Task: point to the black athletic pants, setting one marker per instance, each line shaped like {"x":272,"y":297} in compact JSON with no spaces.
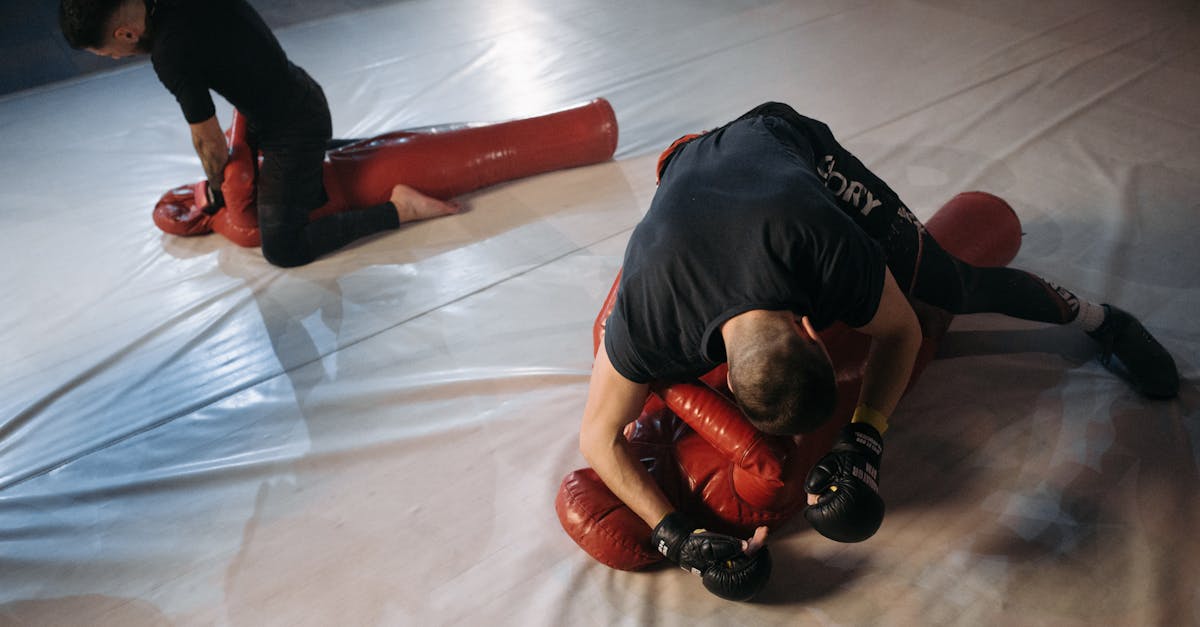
{"x":291,"y":184}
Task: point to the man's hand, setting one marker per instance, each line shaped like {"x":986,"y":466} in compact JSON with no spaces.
{"x":214,"y":199}
{"x":730,"y":567}
{"x":209,"y":141}
{"x":844,"y":501}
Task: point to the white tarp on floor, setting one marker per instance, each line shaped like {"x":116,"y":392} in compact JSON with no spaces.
{"x":191,"y":436}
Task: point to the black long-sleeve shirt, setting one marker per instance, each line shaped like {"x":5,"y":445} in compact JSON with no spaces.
{"x":224,"y":46}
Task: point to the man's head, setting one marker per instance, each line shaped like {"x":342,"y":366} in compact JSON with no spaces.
{"x":779,"y":372}
{"x":109,"y":28}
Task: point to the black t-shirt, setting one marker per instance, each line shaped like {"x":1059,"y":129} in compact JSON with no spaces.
{"x":741,"y":220}
{"x":224,"y":45}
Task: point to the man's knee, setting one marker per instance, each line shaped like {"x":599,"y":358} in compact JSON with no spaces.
{"x":285,"y":249}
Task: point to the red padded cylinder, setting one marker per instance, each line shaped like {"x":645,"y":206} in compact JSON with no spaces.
{"x":446,"y":164}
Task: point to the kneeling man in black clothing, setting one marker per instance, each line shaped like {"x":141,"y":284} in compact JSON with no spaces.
{"x":224,"y":46}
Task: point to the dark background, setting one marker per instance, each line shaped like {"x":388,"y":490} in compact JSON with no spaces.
{"x":33,"y":52}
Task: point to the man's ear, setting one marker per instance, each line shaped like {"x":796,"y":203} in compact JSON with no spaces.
{"x":806,"y":324}
{"x":130,"y":23}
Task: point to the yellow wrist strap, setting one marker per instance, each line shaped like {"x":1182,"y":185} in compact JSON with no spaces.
{"x":863,"y":413}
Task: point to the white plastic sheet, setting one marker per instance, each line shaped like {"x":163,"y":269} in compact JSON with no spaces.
{"x":191,"y":436}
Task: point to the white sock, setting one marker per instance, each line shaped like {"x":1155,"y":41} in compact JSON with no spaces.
{"x":1090,"y":316}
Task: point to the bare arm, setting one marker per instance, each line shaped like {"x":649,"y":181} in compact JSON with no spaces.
{"x":613,"y":402}
{"x":895,"y":339}
{"x":209,"y":141}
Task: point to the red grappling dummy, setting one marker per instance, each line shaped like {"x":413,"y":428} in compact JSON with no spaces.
{"x":717,"y":467}
{"x":440,"y":162}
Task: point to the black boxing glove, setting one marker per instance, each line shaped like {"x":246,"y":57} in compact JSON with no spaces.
{"x":740,"y":578}
{"x":216,"y":200}
{"x":720,"y":560}
{"x":846,"y":482}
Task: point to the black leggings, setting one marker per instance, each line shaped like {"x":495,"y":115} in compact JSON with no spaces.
{"x":291,"y":184}
{"x":947,"y":282}
{"x":922,"y":268}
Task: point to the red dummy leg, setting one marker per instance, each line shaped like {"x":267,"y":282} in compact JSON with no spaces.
{"x":444,"y":164}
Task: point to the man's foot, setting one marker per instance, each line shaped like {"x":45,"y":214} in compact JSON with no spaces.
{"x":1129,"y":350}
{"x":412,"y":205}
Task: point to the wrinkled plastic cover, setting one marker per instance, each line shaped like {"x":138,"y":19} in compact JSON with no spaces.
{"x":191,"y":436}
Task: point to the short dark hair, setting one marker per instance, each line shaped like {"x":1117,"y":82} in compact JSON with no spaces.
{"x":84,"y":22}
{"x":783,"y":383}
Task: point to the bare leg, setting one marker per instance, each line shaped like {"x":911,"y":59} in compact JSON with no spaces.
{"x":412,"y":205}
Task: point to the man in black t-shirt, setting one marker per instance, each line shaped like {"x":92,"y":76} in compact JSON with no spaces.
{"x":761,"y":233}
{"x":198,"y":46}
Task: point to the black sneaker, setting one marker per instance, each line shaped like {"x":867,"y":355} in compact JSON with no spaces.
{"x":1129,"y":351}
